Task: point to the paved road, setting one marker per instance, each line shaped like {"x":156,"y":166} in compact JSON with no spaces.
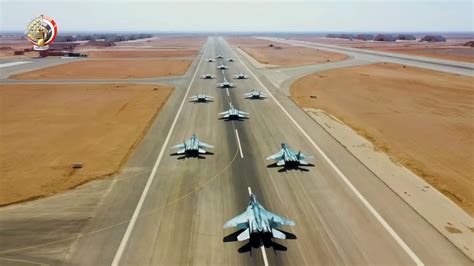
{"x":343,"y":213}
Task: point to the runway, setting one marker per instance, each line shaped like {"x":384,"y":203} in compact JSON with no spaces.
{"x":168,"y":211}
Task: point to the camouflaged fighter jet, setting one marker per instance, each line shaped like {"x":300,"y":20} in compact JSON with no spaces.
{"x":241,"y":76}
{"x":219,"y":57}
{"x":225,"y":84}
{"x":201,"y":98}
{"x":257,"y":220}
{"x":207,"y":76}
{"x":222,"y":66}
{"x":210,"y":60}
{"x":231,"y":60}
{"x":254,"y":94}
{"x":233,"y":113}
{"x":192,"y":146}
{"x":289,"y":157}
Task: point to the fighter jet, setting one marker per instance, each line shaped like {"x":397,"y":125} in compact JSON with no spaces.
{"x":241,"y":76}
{"x":219,"y":57}
{"x":255,"y":95}
{"x":225,"y":84}
{"x":210,"y":60}
{"x":233,"y":113}
{"x":256,"y":221}
{"x":288,"y":157}
{"x":207,"y":76}
{"x":202,"y":98}
{"x":222,"y":67}
{"x":192,"y":146}
{"x":231,"y":60}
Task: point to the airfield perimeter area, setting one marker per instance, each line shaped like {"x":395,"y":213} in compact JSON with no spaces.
{"x":276,"y":54}
{"x":453,"y":49}
{"x":344,"y":213}
{"x":407,"y":112}
{"x":48,"y":127}
{"x":109,"y":69}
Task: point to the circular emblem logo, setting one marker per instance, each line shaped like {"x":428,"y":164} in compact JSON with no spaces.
{"x":41,"y":31}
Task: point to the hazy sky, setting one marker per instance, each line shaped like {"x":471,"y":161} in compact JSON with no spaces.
{"x":156,"y":16}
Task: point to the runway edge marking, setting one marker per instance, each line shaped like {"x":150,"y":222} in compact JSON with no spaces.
{"x":262,"y":247}
{"x":126,"y":236}
{"x":374,"y":212}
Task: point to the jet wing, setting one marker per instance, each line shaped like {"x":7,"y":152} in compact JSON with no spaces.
{"x":224,"y":113}
{"x":277,"y":156}
{"x":243,"y":113}
{"x":179,"y":146}
{"x":277,"y":220}
{"x":238,"y":221}
{"x":205,"y":145}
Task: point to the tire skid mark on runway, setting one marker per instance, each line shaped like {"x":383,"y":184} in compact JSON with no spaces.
{"x":372,"y":210}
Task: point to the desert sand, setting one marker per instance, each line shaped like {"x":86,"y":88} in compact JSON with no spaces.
{"x":142,"y":53}
{"x":109,"y":69}
{"x":421,"y":118}
{"x":251,"y":41}
{"x":167,"y":42}
{"x":288,"y":56}
{"x":453,"y":49}
{"x":47,"y":127}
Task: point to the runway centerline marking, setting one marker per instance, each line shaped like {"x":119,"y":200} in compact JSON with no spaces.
{"x":238,"y":142}
{"x":374,"y":212}
{"x":131,"y":225}
{"x":227,"y":90}
{"x":262,"y":247}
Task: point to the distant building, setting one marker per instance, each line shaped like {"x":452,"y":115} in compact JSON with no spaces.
{"x":64,"y":39}
{"x":62,"y":46}
{"x":84,"y":38}
{"x":406,"y":37}
{"x":384,"y":38}
{"x":332,"y":35}
{"x":104,"y":43}
{"x":364,"y":37}
{"x":469,"y":43}
{"x":433,"y":38}
{"x":346,"y":36}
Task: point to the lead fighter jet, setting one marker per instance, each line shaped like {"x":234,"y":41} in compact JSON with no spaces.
{"x":260,"y":223}
{"x":233,"y":113}
{"x":289,"y":157}
{"x":202,"y":98}
{"x":192,"y":146}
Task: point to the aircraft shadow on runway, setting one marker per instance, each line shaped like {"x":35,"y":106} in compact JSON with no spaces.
{"x":191,"y":155}
{"x":257,"y":240}
{"x":233,"y":119}
{"x":287,"y":167}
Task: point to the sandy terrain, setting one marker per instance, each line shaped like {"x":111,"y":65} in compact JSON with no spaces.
{"x":251,"y":41}
{"x":141,"y":53}
{"x":46,"y":128}
{"x":291,"y":55}
{"x":453,"y":49}
{"x":109,"y":69}
{"x":167,"y":42}
{"x":421,"y":118}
